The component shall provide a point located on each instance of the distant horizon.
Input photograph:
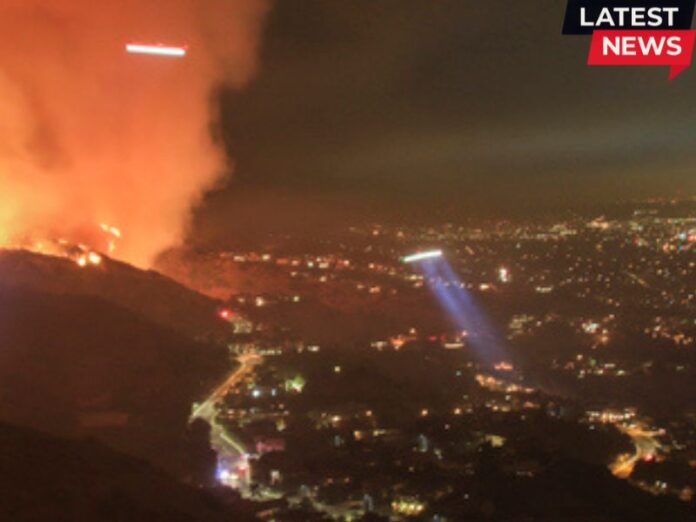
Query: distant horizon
(260, 214)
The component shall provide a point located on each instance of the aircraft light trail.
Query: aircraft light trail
(421, 256)
(156, 50)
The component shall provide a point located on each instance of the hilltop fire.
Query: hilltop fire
(93, 134)
(86, 246)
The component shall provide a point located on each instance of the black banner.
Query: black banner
(584, 16)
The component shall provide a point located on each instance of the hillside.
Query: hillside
(147, 293)
(73, 364)
(47, 478)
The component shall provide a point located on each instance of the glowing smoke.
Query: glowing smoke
(90, 134)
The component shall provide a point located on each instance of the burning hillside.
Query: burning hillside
(96, 139)
(108, 350)
(147, 293)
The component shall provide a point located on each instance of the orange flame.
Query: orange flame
(89, 132)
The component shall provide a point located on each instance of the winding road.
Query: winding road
(231, 453)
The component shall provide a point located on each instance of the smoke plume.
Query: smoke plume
(91, 135)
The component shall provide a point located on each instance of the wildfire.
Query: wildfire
(85, 256)
(81, 254)
(114, 235)
(84, 248)
(90, 131)
(88, 258)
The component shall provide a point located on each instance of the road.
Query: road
(232, 456)
(646, 446)
(206, 410)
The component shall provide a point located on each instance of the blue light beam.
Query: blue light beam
(461, 308)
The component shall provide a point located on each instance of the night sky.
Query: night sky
(389, 105)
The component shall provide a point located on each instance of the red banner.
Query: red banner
(672, 48)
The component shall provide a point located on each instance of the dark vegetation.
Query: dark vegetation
(43, 478)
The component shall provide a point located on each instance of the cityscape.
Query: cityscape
(596, 336)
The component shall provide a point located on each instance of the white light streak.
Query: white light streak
(156, 50)
(421, 256)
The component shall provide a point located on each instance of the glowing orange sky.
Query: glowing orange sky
(90, 134)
